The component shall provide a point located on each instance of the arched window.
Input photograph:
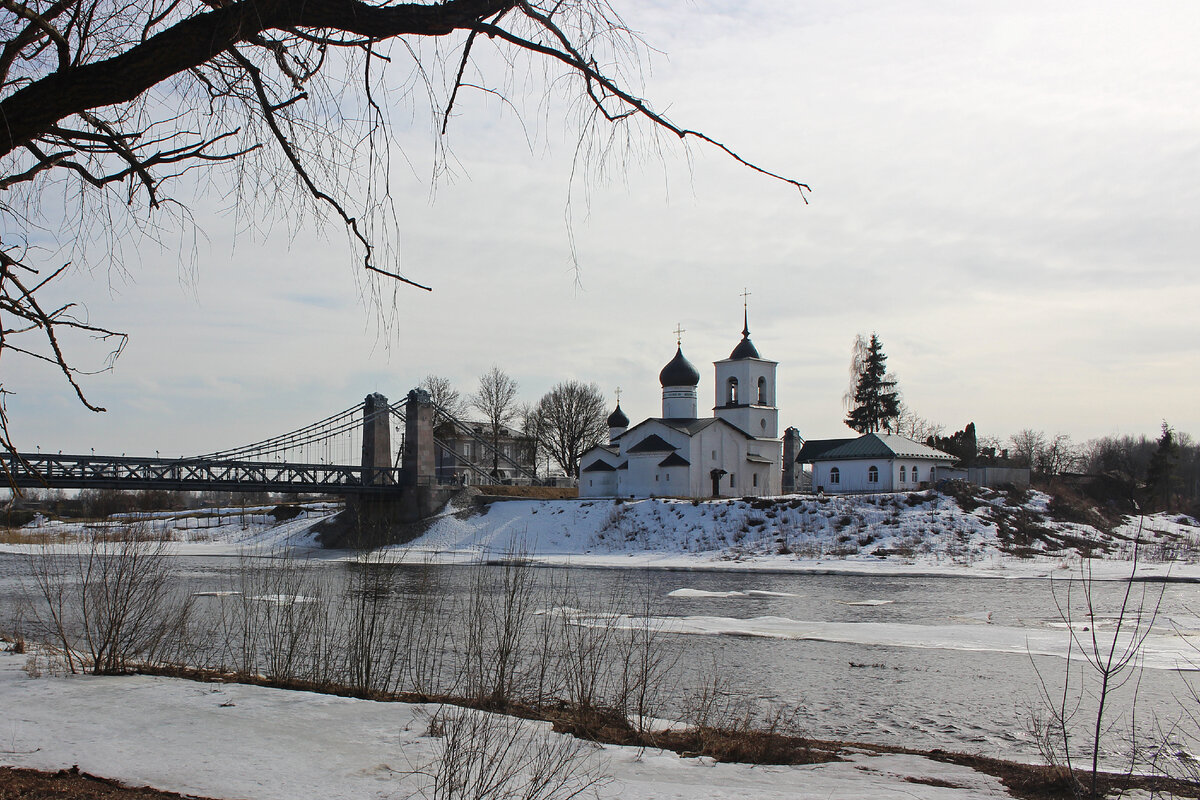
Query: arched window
(903, 472)
(731, 392)
(762, 392)
(835, 475)
(873, 475)
(915, 478)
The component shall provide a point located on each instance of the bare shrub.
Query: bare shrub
(1075, 724)
(498, 614)
(485, 756)
(372, 639)
(111, 602)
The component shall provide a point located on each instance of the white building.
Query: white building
(873, 462)
(735, 452)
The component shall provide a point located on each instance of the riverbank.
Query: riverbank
(237, 740)
(982, 534)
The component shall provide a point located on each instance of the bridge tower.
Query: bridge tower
(419, 467)
(376, 440)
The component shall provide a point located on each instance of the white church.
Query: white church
(734, 453)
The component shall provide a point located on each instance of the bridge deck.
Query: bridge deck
(193, 474)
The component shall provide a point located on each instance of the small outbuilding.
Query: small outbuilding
(873, 462)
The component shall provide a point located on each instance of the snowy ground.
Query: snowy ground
(918, 534)
(271, 744)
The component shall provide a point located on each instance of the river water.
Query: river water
(925, 662)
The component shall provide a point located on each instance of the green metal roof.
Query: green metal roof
(877, 445)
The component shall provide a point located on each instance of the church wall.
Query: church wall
(597, 484)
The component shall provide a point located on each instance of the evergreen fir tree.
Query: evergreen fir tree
(876, 401)
(1160, 475)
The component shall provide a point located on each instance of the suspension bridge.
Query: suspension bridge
(322, 457)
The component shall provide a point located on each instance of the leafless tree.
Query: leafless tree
(911, 426)
(108, 105)
(447, 400)
(496, 399)
(570, 419)
(1056, 456)
(1025, 446)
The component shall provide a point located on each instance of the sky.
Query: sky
(1005, 194)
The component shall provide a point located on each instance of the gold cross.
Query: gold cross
(618, 395)
(679, 332)
(744, 295)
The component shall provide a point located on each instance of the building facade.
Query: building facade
(733, 453)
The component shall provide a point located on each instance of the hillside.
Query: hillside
(964, 530)
(977, 529)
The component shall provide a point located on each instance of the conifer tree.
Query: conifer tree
(876, 401)
(1160, 475)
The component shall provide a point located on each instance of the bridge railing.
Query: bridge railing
(193, 474)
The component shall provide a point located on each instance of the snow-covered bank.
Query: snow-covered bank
(918, 534)
(921, 534)
(244, 741)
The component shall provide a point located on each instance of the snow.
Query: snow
(229, 740)
(919, 534)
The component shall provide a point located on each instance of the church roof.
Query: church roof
(881, 445)
(812, 449)
(690, 427)
(679, 372)
(617, 418)
(674, 460)
(757, 459)
(599, 466)
(745, 348)
(652, 444)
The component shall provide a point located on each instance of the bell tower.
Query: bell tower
(745, 387)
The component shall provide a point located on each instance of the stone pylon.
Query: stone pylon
(377, 440)
(419, 467)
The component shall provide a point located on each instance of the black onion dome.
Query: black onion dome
(617, 419)
(679, 372)
(745, 348)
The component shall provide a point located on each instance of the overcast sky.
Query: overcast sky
(1007, 194)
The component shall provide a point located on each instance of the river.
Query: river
(924, 662)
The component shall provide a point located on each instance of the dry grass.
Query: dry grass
(71, 784)
(531, 492)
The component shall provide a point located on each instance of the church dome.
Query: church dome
(745, 348)
(679, 372)
(617, 419)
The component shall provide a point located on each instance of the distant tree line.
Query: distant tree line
(102, 503)
(561, 426)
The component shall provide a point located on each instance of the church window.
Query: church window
(732, 480)
(762, 391)
(714, 455)
(915, 478)
(668, 477)
(835, 475)
(873, 475)
(756, 479)
(903, 474)
(731, 392)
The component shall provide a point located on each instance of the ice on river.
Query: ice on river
(1167, 651)
(697, 593)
